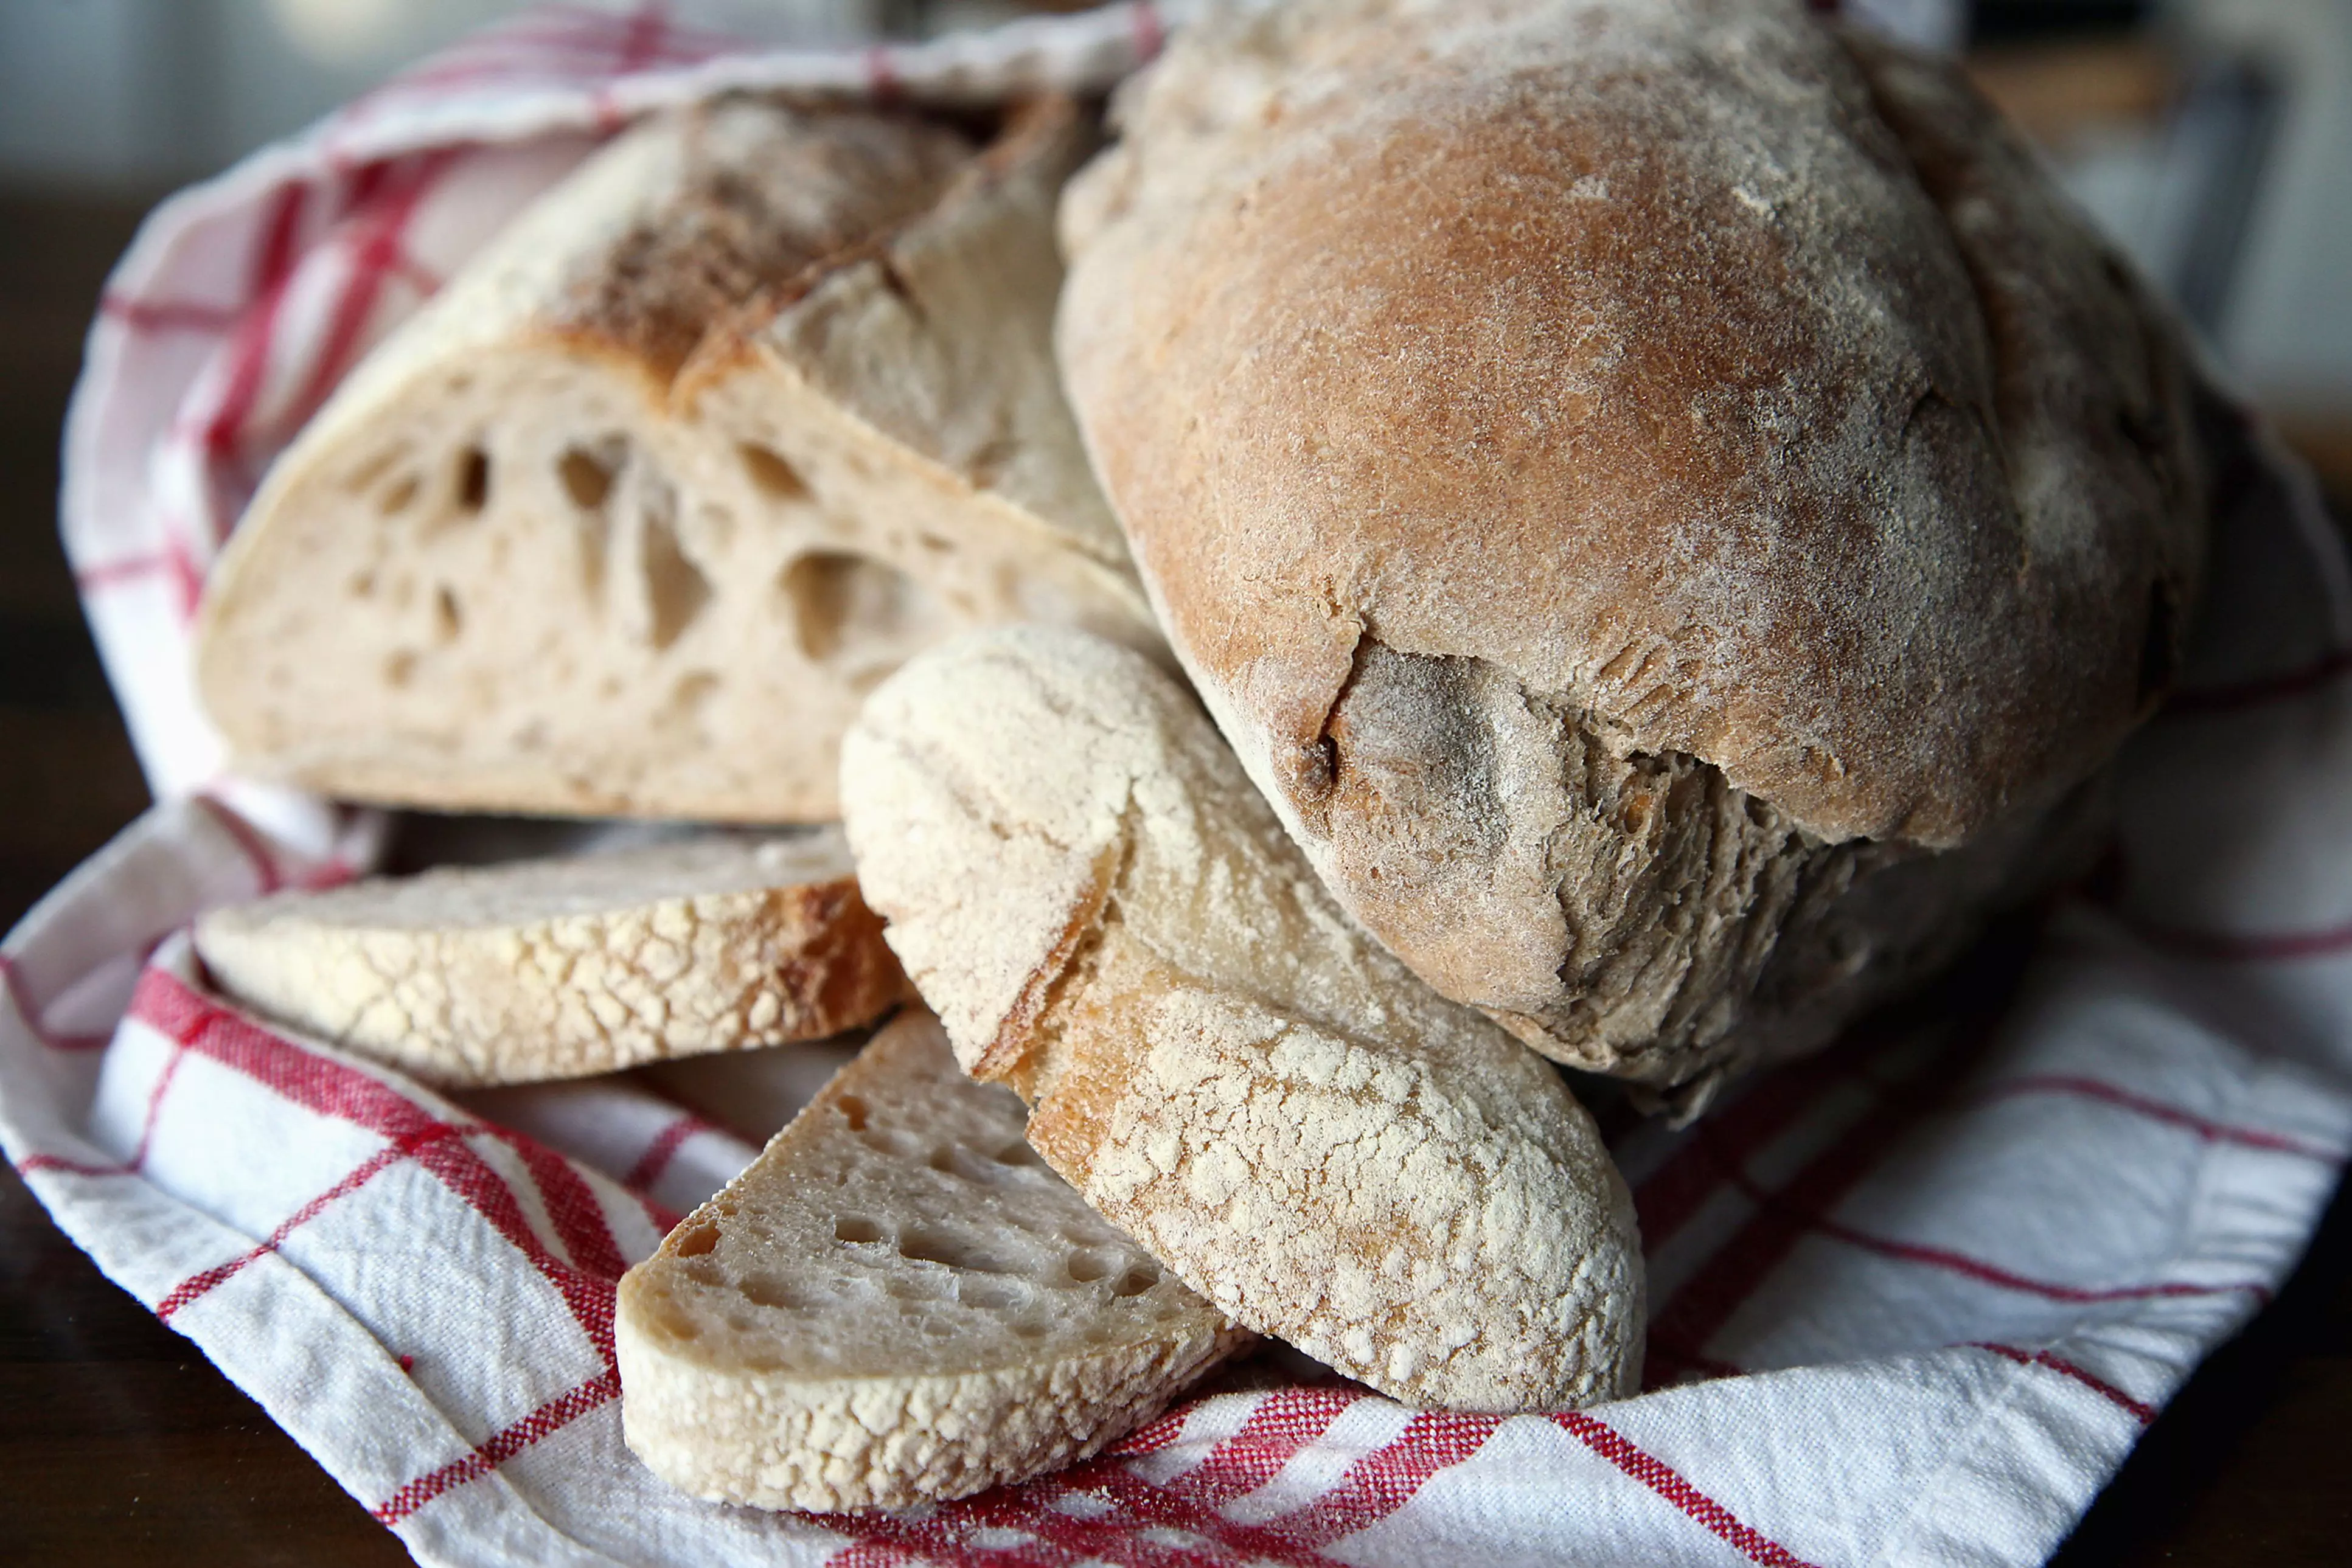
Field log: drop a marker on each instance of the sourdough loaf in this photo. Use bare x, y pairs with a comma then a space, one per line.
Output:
1082, 882
626, 519
897, 1303
1667, 501
558, 968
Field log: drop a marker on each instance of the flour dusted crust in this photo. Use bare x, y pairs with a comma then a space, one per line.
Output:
557, 968
1080, 877
1630, 479
897, 1303
628, 519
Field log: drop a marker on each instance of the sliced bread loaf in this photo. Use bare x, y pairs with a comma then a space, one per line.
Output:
556, 969
1084, 883
897, 1301
626, 520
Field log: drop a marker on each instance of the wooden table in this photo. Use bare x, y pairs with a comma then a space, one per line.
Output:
120, 1444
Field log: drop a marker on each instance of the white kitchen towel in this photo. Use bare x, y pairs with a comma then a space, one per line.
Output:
1913, 1300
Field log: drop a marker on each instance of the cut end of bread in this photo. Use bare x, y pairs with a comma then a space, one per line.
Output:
897, 1303
631, 516
556, 969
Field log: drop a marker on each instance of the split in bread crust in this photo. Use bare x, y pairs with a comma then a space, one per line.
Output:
628, 519
1081, 880
897, 1303
558, 968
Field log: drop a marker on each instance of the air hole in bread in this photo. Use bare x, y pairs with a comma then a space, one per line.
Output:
772, 1290
936, 1244
1138, 1279
1018, 1154
1086, 1268
860, 616
446, 620
853, 1111
675, 589
400, 497
896, 1141
990, 1295
855, 1228
399, 668
675, 1321
587, 472
474, 479
361, 585
934, 543
771, 475
694, 1242
915, 1288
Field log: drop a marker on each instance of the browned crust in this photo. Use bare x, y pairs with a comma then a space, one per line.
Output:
838, 971
1031, 128
729, 234
1511, 352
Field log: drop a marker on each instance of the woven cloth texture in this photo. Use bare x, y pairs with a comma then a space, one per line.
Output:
1913, 1300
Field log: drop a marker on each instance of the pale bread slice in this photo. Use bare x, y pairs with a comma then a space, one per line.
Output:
1081, 879
897, 1303
556, 969
526, 559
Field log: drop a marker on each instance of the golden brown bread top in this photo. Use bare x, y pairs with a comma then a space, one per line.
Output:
764, 199
1737, 387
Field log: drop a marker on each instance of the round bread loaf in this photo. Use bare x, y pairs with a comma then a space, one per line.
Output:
1665, 499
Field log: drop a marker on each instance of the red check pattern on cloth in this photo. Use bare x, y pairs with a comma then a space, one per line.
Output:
1912, 1301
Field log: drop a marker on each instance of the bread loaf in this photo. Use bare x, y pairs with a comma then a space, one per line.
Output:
628, 517
558, 968
897, 1302
1082, 882
1667, 501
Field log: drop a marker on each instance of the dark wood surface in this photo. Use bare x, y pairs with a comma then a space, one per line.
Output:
120, 1445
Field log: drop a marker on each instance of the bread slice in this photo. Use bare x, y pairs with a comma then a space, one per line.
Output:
627, 519
1080, 878
897, 1303
557, 968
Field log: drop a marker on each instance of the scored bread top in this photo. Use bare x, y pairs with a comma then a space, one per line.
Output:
1736, 391
897, 1301
1082, 882
553, 969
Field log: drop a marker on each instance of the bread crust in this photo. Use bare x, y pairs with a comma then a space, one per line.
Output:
531, 970
1083, 883
1643, 468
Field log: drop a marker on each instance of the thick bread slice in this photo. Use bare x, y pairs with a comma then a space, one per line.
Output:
557, 968
527, 561
1083, 881
897, 1302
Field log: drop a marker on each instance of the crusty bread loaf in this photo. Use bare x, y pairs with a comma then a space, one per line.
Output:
557, 968
1081, 880
628, 517
1629, 478
897, 1303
